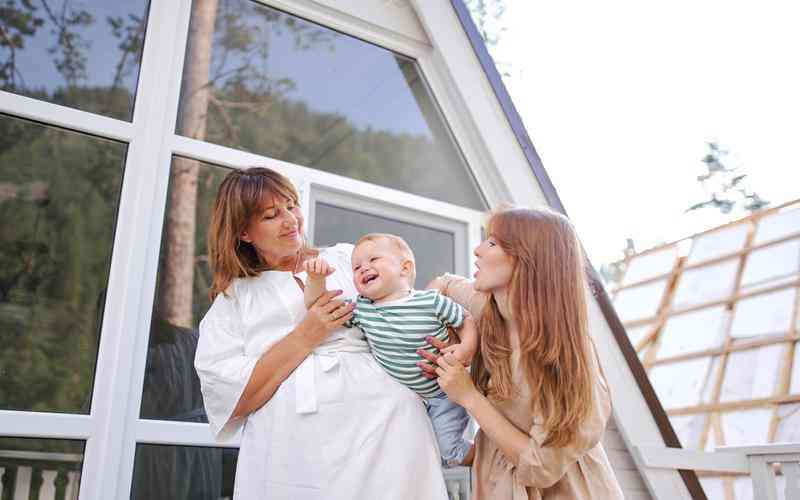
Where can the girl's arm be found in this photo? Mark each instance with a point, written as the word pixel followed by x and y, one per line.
pixel 535 465
pixel 460 289
pixel 456 382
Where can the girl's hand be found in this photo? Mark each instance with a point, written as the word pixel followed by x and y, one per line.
pixel 455 380
pixel 324 316
pixel 429 367
pixel 318 268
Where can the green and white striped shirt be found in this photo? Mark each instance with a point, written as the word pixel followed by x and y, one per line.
pixel 396 329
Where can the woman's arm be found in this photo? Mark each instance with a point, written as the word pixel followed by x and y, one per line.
pixel 280 360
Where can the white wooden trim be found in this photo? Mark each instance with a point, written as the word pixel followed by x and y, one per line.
pixel 234 158
pixel 476 102
pixel 28 424
pixel 181 434
pixel 126 325
pixel 767 449
pixel 351 25
pixel 64 117
pixel 677 458
pixel 402 213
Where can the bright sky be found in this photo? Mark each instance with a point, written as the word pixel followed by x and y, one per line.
pixel 620 96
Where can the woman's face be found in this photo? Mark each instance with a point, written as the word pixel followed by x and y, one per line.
pixel 277 231
pixel 494 267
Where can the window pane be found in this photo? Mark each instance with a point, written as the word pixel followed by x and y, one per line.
pixel 434 250
pixel 59 192
pixel 171 387
pixel 268 82
pixel 40 468
pixel 162 472
pixel 85 54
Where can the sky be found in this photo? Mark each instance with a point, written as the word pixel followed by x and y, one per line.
pixel 620 97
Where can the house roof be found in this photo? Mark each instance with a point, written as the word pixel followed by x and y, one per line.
pixel 515 121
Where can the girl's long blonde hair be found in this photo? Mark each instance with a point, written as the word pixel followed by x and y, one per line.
pixel 241 195
pixel 547 299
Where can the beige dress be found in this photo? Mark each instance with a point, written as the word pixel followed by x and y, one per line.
pixel 581 471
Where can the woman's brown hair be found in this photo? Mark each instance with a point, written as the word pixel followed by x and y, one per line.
pixel 547 300
pixel 241 195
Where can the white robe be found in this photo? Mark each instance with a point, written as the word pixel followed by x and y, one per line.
pixel 338 428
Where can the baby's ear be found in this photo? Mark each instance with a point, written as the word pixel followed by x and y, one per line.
pixel 407 267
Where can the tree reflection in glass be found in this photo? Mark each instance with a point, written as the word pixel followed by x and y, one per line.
pixel 83 54
pixel 59 192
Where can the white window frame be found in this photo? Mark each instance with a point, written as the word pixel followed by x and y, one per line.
pixel 112 429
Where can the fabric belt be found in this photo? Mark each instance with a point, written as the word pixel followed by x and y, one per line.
pixel 328 358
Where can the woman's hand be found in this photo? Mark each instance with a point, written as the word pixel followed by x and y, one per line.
pixel 455 380
pixel 324 316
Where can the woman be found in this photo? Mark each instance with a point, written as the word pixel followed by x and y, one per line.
pixel 536 389
pixel 319 418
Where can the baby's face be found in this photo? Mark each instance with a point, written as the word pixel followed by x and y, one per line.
pixel 378 269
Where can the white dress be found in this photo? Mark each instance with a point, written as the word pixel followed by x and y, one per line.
pixel 338 428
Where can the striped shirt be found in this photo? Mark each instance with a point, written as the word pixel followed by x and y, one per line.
pixel 396 329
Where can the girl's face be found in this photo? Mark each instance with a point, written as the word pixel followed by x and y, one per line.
pixel 277 231
pixel 494 267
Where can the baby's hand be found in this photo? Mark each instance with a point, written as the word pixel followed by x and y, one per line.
pixel 463 351
pixel 318 268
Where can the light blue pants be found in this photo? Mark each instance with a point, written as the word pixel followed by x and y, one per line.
pixel 449 421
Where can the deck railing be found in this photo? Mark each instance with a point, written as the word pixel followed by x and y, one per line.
pixel 760 462
pixel 36 475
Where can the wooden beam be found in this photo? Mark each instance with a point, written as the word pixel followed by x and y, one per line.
pixel 734 405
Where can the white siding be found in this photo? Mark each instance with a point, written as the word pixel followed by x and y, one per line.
pixel 624 467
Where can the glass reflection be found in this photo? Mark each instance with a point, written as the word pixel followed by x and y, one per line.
pixel 83 54
pixel 434 249
pixel 40 468
pixel 171 387
pixel 59 192
pixel 265 81
pixel 163 472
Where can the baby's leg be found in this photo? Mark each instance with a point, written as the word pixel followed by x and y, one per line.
pixel 449 421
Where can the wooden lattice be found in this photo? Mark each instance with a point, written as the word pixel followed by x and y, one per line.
pixel 717 331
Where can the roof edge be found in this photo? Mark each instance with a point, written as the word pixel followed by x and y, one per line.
pixel 554 201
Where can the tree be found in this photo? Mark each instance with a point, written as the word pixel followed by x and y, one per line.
pixel 488 15
pixel 175 287
pixel 223 75
pixel 726 187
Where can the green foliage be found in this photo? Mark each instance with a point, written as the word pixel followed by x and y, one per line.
pixel 60 192
pixel 727 189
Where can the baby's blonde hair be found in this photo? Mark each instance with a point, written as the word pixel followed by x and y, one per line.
pixel 400 245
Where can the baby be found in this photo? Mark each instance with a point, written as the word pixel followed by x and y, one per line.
pixel 396 319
